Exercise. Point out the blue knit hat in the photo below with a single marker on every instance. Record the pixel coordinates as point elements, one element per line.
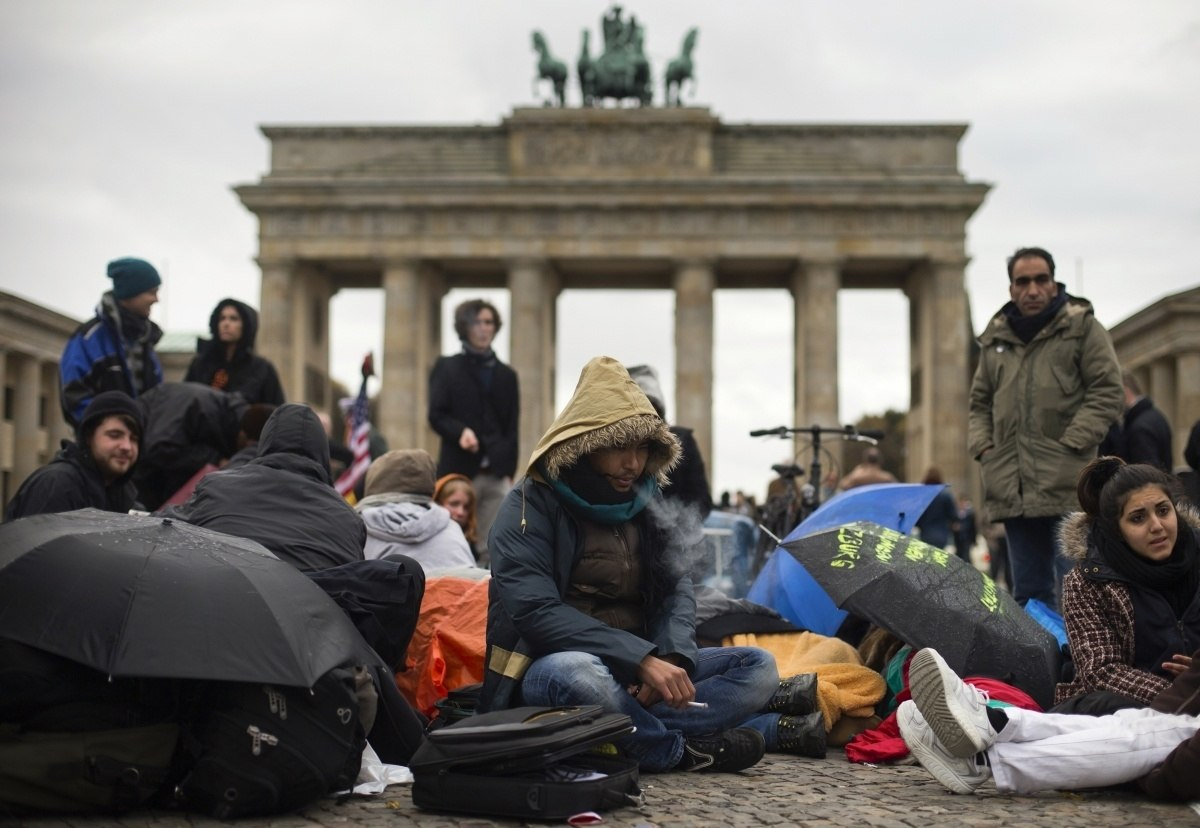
<point>132,276</point>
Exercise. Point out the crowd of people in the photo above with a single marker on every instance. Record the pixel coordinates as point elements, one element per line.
<point>591,547</point>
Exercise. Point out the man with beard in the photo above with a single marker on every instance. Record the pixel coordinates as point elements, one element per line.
<point>96,470</point>
<point>114,351</point>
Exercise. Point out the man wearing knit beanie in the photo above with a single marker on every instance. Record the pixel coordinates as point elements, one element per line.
<point>114,351</point>
<point>94,471</point>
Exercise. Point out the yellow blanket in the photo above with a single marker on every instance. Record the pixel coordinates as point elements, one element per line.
<point>845,687</point>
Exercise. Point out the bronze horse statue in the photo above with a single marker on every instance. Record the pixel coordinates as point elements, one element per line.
<point>551,69</point>
<point>681,69</point>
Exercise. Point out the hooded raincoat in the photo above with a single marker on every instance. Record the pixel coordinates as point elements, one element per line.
<point>537,540</point>
<point>284,498</point>
<point>246,373</point>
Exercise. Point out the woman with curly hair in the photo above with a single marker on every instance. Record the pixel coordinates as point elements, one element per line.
<point>1132,602</point>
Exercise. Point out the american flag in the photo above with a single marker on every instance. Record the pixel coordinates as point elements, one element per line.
<point>358,433</point>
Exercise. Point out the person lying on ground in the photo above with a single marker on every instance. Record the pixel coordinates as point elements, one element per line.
<point>961,741</point>
<point>1132,603</point>
<point>591,601</point>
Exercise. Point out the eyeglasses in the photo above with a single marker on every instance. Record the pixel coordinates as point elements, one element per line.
<point>1041,280</point>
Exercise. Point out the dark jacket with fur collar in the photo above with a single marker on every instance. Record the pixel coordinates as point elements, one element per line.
<point>536,542</point>
<point>1115,648</point>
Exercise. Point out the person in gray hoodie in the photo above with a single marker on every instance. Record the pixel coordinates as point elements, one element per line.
<point>401,517</point>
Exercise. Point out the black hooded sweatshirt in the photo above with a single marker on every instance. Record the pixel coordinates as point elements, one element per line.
<point>284,498</point>
<point>249,375</point>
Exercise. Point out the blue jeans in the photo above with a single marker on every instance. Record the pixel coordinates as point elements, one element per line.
<point>735,682</point>
<point>1037,568</point>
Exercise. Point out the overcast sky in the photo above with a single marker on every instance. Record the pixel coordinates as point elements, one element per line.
<point>127,122</point>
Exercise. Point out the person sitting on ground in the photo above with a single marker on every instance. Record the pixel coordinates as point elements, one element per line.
<point>456,494</point>
<point>1132,603</point>
<point>96,469</point>
<point>590,600</point>
<point>401,517</point>
<point>870,470</point>
<point>284,498</point>
<point>228,362</point>
<point>957,737</point>
<point>249,432</point>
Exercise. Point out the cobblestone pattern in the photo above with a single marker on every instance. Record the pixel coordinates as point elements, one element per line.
<point>779,791</point>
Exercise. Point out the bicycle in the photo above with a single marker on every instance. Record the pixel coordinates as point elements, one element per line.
<point>782,512</point>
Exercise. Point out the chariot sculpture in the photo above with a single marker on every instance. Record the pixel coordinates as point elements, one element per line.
<point>621,72</point>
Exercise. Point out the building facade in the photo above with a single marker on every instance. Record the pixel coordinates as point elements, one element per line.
<point>556,199</point>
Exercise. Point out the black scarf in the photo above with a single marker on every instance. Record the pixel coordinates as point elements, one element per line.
<point>1177,578</point>
<point>483,363</point>
<point>134,328</point>
<point>1027,327</point>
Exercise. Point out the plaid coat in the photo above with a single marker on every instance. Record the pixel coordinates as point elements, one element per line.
<point>1098,610</point>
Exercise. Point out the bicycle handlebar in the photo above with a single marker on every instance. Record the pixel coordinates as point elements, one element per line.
<point>849,432</point>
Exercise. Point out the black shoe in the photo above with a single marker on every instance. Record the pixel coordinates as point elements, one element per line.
<point>803,735</point>
<point>730,750</point>
<point>796,696</point>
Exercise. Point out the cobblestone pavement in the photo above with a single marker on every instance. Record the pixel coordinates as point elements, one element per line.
<point>779,791</point>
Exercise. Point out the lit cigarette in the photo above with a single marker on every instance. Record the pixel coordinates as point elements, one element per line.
<point>698,704</point>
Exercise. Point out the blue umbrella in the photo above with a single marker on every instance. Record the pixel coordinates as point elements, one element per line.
<point>891,505</point>
<point>784,584</point>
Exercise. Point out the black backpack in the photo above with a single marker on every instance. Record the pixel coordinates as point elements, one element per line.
<point>527,762</point>
<point>259,749</point>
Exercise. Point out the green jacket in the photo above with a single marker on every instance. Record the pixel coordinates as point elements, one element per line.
<point>1041,409</point>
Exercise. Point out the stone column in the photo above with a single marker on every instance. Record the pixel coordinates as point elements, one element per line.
<point>945,338</point>
<point>815,288</point>
<point>401,416</point>
<point>694,284</point>
<point>532,300</point>
<point>431,290</point>
<point>277,321</point>
<point>27,427</point>
<point>1187,397</point>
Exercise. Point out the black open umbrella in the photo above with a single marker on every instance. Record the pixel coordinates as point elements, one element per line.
<point>929,598</point>
<point>153,597</point>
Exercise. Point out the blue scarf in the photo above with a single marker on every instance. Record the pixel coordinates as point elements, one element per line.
<point>613,513</point>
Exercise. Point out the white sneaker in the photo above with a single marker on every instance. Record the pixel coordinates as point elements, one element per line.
<point>958,774</point>
<point>955,710</point>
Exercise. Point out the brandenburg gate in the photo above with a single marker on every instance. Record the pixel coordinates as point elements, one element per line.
<point>621,198</point>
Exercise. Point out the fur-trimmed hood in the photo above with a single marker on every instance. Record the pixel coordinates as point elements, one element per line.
<point>608,409</point>
<point>1074,530</point>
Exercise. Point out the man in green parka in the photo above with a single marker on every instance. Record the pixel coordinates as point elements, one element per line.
<point>1047,388</point>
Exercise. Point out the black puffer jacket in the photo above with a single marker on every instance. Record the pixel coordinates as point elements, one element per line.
<point>283,498</point>
<point>68,482</point>
<point>249,375</point>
